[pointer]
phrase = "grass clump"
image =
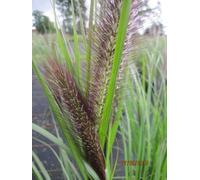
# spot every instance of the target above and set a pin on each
(110, 99)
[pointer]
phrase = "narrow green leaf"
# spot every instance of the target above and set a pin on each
(63, 48)
(123, 22)
(76, 46)
(115, 165)
(36, 172)
(91, 171)
(61, 41)
(112, 132)
(82, 26)
(41, 166)
(57, 157)
(125, 154)
(49, 136)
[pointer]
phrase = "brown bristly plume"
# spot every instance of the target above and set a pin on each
(81, 116)
(104, 46)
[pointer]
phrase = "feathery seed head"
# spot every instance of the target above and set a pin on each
(81, 116)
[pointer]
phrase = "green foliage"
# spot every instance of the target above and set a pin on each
(42, 23)
(136, 127)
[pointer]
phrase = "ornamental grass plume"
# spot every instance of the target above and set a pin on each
(82, 118)
(82, 113)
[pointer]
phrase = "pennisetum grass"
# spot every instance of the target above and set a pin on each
(103, 97)
(81, 115)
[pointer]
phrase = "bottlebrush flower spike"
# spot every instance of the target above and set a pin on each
(104, 46)
(81, 116)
